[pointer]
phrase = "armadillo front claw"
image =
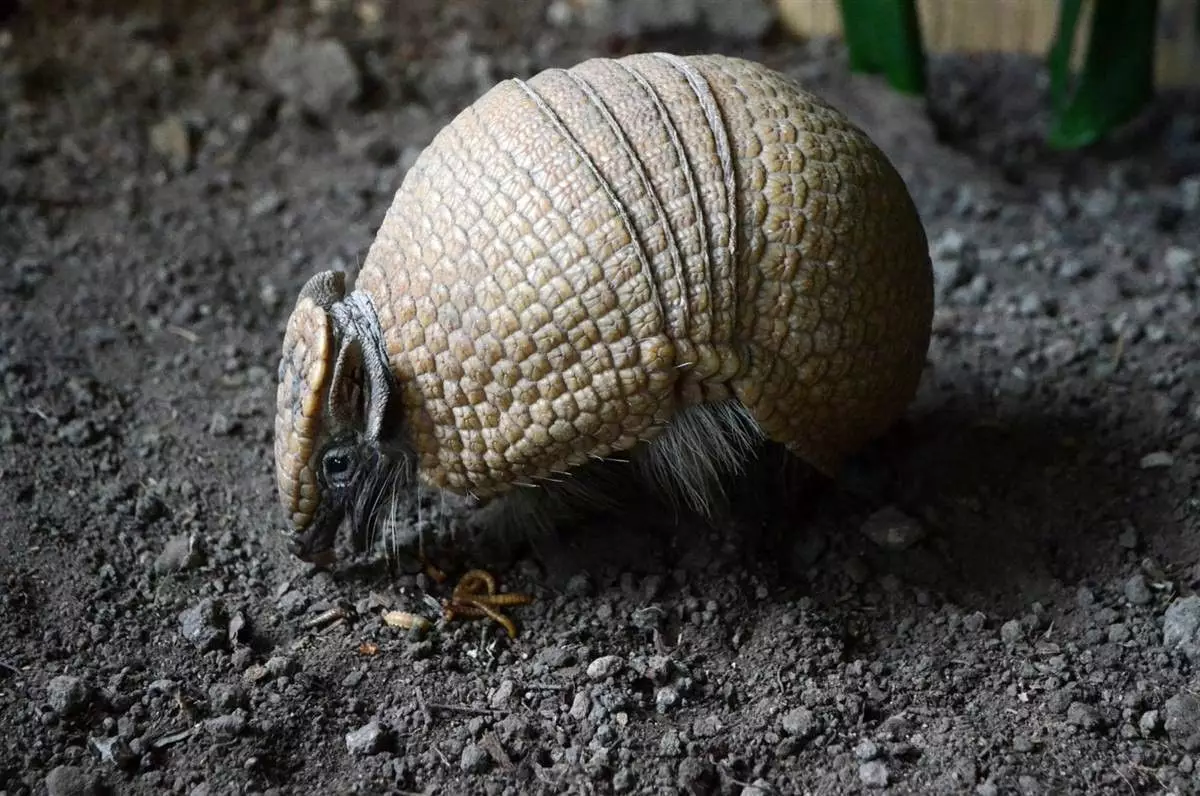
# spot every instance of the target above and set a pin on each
(475, 597)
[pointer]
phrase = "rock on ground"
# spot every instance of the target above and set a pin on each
(318, 75)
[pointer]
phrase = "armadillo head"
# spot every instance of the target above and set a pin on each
(334, 389)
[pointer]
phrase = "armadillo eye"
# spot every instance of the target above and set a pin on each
(338, 466)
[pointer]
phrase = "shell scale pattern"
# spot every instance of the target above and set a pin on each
(578, 256)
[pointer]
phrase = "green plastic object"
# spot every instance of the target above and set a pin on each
(884, 36)
(1117, 77)
(1115, 82)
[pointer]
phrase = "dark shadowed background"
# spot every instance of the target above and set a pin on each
(1017, 617)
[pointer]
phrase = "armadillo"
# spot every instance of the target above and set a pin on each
(666, 257)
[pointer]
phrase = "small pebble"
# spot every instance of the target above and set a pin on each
(976, 292)
(1180, 261)
(475, 759)
(172, 140)
(181, 552)
(1083, 716)
(292, 603)
(1181, 626)
(226, 696)
(974, 622)
(369, 739)
(70, 781)
(1149, 723)
(649, 617)
(706, 727)
(241, 658)
(759, 787)
(580, 707)
(892, 529)
(624, 780)
(873, 774)
(1099, 203)
(203, 624)
(67, 695)
(267, 204)
(556, 657)
(502, 694)
(230, 725)
(255, 673)
(1137, 590)
(1182, 720)
(866, 750)
(1030, 305)
(951, 267)
(220, 425)
(1189, 191)
(665, 699)
(320, 74)
(114, 751)
(1011, 632)
(696, 776)
(1028, 786)
(282, 666)
(579, 586)
(670, 745)
(1156, 460)
(604, 667)
(799, 722)
(1073, 270)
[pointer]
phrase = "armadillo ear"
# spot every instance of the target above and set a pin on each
(325, 288)
(346, 402)
(379, 395)
(362, 384)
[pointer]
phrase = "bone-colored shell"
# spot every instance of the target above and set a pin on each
(576, 257)
(304, 373)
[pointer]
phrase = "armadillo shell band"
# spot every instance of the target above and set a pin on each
(304, 372)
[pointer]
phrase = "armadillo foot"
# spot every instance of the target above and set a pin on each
(475, 597)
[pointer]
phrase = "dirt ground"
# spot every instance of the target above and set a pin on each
(998, 599)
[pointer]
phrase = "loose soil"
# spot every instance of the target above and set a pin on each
(994, 600)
